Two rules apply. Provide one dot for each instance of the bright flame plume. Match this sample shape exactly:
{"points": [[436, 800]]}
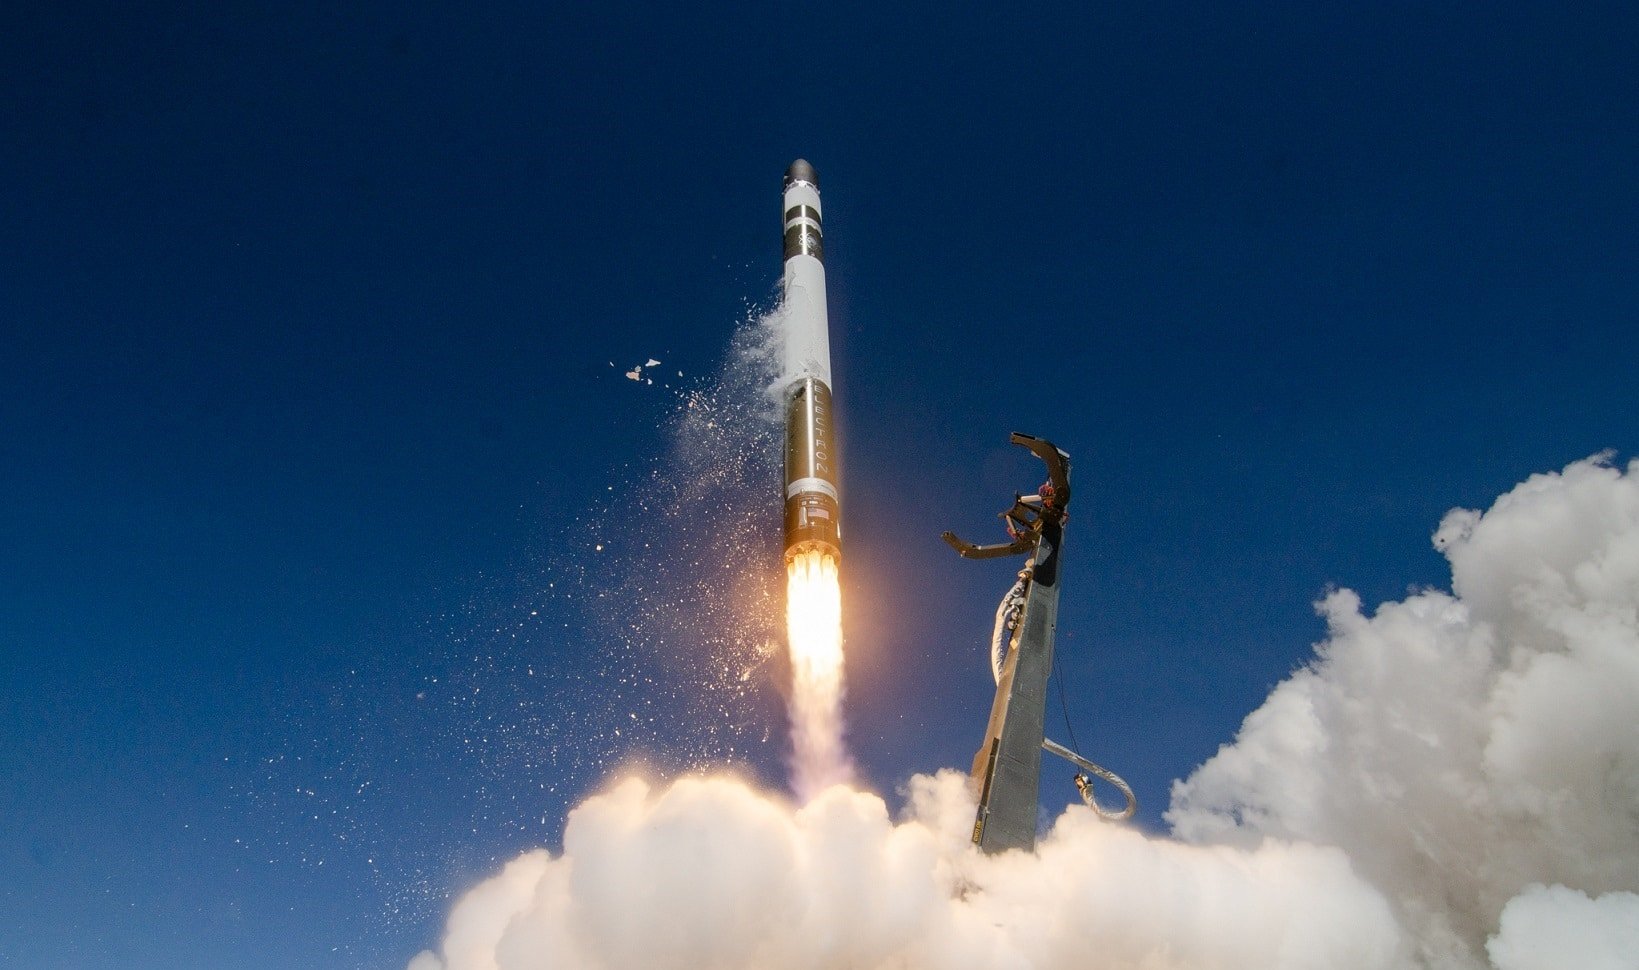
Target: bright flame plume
{"points": [[813, 621]]}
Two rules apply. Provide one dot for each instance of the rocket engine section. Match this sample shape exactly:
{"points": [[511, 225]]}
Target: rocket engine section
{"points": [[813, 516]]}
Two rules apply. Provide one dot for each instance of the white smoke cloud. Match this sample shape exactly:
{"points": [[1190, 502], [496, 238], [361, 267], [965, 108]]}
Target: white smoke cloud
{"points": [[1551, 928], [1461, 748], [709, 873], [1453, 781]]}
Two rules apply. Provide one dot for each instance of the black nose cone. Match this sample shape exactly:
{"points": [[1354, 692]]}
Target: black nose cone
{"points": [[801, 171]]}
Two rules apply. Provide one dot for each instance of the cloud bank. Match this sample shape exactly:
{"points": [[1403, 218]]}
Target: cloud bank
{"points": [[1452, 782], [1462, 747], [708, 873]]}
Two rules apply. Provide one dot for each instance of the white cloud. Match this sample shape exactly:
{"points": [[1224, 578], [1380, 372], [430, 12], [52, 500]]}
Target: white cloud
{"points": [[1552, 928], [709, 873], [1461, 748]]}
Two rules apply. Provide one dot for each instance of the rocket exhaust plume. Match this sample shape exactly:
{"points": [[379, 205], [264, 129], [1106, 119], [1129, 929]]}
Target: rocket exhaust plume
{"points": [[813, 531], [813, 619]]}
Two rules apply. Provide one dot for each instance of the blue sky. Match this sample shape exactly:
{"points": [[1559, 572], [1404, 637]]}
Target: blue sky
{"points": [[308, 314]]}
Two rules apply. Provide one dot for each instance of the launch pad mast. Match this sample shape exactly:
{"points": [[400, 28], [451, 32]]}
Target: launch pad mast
{"points": [[1007, 767]]}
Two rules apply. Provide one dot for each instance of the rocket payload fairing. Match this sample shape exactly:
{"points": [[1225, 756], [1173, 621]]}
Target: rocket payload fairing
{"points": [[812, 510]]}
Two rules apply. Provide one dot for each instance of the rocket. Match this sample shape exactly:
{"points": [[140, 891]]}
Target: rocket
{"points": [[812, 510]]}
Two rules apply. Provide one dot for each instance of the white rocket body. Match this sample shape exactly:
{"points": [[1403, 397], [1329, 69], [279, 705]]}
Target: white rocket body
{"points": [[807, 337], [813, 520]]}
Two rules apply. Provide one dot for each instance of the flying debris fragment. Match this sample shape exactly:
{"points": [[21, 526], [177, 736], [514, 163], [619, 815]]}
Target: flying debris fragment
{"points": [[636, 373]]}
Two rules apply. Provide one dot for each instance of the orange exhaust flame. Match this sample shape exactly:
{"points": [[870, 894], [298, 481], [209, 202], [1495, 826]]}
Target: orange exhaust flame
{"points": [[813, 620]]}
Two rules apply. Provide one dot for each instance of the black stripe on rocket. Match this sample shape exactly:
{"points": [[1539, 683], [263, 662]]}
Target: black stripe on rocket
{"points": [[803, 238]]}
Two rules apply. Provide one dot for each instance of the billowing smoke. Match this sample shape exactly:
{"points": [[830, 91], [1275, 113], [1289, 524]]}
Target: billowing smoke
{"points": [[709, 873], [1452, 782], [1462, 747]]}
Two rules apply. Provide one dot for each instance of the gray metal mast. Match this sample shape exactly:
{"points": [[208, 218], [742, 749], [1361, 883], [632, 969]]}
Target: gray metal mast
{"points": [[1007, 767]]}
